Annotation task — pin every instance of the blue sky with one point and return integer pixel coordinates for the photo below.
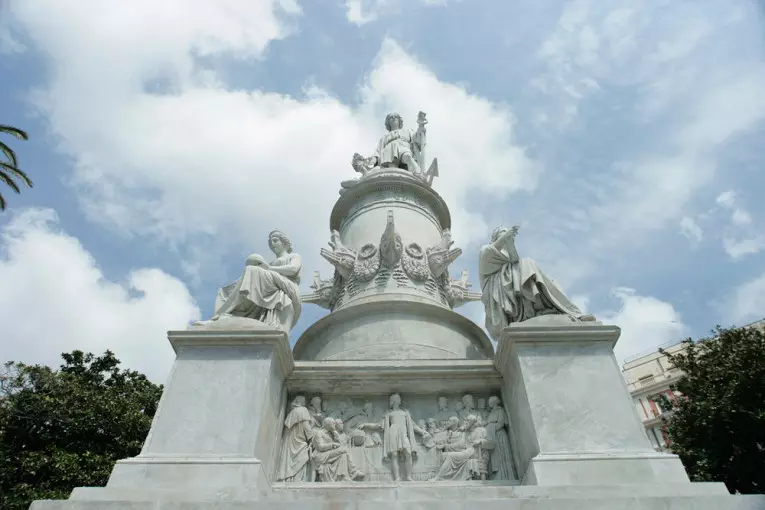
(625, 138)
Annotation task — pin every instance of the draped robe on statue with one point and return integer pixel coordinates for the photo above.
(398, 432)
(462, 460)
(394, 145)
(515, 289)
(264, 295)
(500, 462)
(295, 456)
(331, 463)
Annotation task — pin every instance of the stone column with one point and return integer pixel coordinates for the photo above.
(573, 420)
(218, 424)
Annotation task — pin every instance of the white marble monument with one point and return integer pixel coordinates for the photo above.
(393, 399)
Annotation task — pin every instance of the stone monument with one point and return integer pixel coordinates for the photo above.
(393, 399)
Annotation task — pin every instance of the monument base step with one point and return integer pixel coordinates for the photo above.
(438, 495)
(556, 503)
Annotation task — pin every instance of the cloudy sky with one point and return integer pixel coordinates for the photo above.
(168, 138)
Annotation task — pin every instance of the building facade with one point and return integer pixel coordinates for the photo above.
(650, 375)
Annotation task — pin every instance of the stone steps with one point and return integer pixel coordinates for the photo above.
(540, 503)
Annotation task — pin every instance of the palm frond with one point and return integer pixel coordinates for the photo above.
(4, 177)
(2, 202)
(18, 133)
(9, 154)
(5, 167)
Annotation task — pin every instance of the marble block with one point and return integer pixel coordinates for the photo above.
(573, 422)
(218, 421)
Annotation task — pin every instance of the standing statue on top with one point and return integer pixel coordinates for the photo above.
(399, 148)
(266, 292)
(515, 289)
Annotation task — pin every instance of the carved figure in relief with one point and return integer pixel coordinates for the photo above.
(365, 426)
(269, 293)
(316, 412)
(398, 437)
(330, 458)
(298, 433)
(500, 459)
(468, 408)
(391, 246)
(515, 289)
(443, 414)
(462, 460)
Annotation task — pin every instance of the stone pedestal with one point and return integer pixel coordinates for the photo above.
(573, 420)
(218, 425)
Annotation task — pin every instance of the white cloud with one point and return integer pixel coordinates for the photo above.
(687, 100)
(361, 12)
(9, 45)
(690, 229)
(54, 299)
(646, 323)
(746, 303)
(189, 165)
(741, 238)
(737, 249)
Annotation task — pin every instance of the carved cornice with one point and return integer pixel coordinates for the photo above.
(277, 340)
(397, 181)
(406, 376)
(576, 333)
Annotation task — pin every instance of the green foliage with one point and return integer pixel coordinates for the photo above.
(65, 428)
(718, 424)
(9, 169)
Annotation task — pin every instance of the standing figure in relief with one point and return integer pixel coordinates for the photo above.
(267, 293)
(463, 460)
(365, 426)
(298, 434)
(468, 408)
(500, 460)
(398, 148)
(316, 412)
(330, 458)
(443, 414)
(398, 437)
(515, 289)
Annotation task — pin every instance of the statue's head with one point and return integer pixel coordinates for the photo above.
(299, 401)
(431, 424)
(395, 400)
(279, 242)
(328, 423)
(393, 121)
(467, 402)
(494, 401)
(368, 407)
(316, 402)
(498, 232)
(443, 402)
(471, 421)
(453, 423)
(339, 425)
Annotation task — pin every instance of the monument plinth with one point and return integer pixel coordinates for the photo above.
(393, 399)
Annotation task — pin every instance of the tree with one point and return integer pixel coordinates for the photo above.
(9, 170)
(717, 424)
(65, 428)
